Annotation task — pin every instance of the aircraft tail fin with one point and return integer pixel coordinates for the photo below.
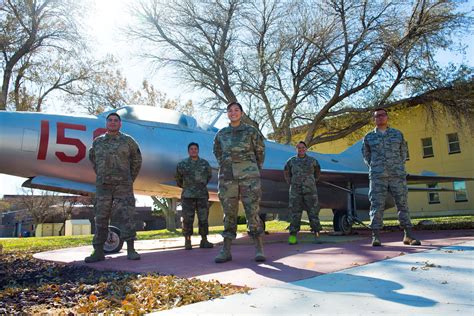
(355, 149)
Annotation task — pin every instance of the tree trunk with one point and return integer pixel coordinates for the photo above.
(170, 215)
(6, 82)
(168, 206)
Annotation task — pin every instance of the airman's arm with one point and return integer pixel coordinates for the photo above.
(209, 172)
(179, 176)
(287, 173)
(135, 159)
(259, 149)
(366, 151)
(92, 157)
(317, 170)
(217, 150)
(404, 149)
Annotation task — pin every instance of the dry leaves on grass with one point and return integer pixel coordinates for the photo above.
(34, 286)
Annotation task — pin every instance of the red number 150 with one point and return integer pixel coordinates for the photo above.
(62, 140)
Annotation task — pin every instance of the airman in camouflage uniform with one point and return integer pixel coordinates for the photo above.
(240, 152)
(116, 160)
(385, 152)
(302, 172)
(193, 175)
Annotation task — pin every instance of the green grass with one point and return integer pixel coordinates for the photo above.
(37, 244)
(448, 220)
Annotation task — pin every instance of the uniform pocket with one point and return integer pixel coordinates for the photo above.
(245, 169)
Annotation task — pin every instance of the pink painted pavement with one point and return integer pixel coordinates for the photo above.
(284, 263)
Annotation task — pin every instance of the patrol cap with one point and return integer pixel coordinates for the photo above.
(234, 103)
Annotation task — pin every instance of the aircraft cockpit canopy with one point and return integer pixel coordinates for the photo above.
(161, 115)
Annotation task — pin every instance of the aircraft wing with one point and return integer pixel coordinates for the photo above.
(359, 178)
(356, 177)
(432, 179)
(417, 189)
(59, 185)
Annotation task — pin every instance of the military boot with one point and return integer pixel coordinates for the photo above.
(259, 256)
(131, 253)
(409, 239)
(97, 254)
(376, 238)
(187, 243)
(224, 255)
(292, 239)
(205, 243)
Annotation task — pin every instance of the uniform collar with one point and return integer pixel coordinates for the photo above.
(112, 136)
(241, 126)
(377, 131)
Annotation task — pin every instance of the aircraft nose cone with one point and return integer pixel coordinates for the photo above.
(18, 143)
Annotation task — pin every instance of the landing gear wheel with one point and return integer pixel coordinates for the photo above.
(113, 243)
(341, 223)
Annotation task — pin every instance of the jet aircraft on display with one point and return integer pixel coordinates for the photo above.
(52, 152)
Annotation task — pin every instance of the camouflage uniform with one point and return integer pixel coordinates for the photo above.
(193, 176)
(302, 174)
(116, 160)
(240, 152)
(385, 154)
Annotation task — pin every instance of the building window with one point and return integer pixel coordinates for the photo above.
(433, 197)
(460, 192)
(453, 143)
(427, 147)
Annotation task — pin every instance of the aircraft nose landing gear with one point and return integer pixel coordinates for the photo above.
(113, 243)
(342, 222)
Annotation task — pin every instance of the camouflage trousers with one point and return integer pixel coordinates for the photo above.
(201, 207)
(378, 188)
(114, 204)
(249, 192)
(299, 201)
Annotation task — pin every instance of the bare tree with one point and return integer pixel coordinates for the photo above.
(45, 75)
(39, 205)
(108, 89)
(384, 48)
(283, 70)
(304, 62)
(105, 89)
(28, 28)
(198, 38)
(150, 96)
(343, 57)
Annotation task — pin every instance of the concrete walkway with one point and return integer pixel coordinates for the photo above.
(434, 282)
(284, 263)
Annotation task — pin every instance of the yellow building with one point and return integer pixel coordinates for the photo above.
(444, 147)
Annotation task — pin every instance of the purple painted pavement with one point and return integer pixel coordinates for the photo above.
(284, 263)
